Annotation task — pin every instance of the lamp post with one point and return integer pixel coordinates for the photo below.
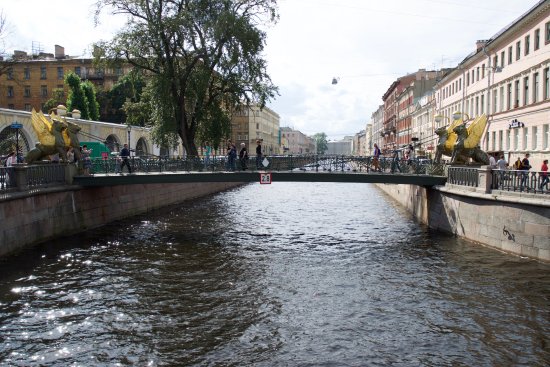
(129, 129)
(16, 125)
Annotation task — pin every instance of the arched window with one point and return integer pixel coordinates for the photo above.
(141, 148)
(112, 143)
(8, 141)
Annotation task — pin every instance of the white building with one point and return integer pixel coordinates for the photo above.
(507, 77)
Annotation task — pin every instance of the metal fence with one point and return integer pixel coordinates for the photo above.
(316, 163)
(465, 176)
(522, 181)
(7, 179)
(23, 177)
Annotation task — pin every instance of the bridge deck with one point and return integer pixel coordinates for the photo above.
(186, 177)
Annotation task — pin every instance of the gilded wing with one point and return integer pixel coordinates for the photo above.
(66, 138)
(451, 139)
(42, 127)
(475, 132)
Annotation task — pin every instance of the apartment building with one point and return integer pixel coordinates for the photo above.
(296, 142)
(377, 128)
(423, 125)
(508, 78)
(253, 123)
(30, 82)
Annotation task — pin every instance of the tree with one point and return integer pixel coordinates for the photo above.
(93, 106)
(57, 99)
(118, 101)
(320, 143)
(77, 97)
(203, 57)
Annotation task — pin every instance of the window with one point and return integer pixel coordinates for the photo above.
(477, 106)
(482, 71)
(27, 73)
(546, 93)
(525, 136)
(501, 99)
(508, 137)
(518, 50)
(516, 139)
(61, 90)
(10, 91)
(495, 60)
(27, 92)
(44, 91)
(545, 136)
(42, 72)
(27, 107)
(525, 91)
(535, 136)
(473, 76)
(482, 103)
(500, 145)
(59, 72)
(516, 91)
(467, 79)
(77, 70)
(527, 44)
(502, 54)
(495, 101)
(536, 86)
(10, 74)
(536, 46)
(493, 140)
(477, 74)
(547, 32)
(468, 106)
(509, 55)
(509, 97)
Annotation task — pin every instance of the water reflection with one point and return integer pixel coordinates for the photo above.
(286, 274)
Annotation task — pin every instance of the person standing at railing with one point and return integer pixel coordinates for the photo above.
(376, 158)
(125, 155)
(207, 153)
(86, 160)
(544, 175)
(395, 161)
(502, 166)
(11, 159)
(243, 157)
(492, 161)
(525, 167)
(258, 154)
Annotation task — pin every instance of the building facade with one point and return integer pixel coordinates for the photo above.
(250, 124)
(508, 78)
(31, 81)
(296, 142)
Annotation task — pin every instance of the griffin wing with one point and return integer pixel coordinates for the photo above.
(451, 139)
(42, 127)
(475, 131)
(66, 138)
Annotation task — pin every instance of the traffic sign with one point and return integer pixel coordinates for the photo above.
(16, 125)
(265, 178)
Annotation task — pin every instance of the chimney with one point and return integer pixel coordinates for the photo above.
(59, 52)
(18, 55)
(480, 44)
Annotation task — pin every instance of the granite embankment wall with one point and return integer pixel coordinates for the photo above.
(29, 219)
(514, 223)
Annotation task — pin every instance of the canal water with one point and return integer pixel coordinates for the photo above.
(288, 274)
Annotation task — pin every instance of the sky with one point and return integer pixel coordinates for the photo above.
(365, 44)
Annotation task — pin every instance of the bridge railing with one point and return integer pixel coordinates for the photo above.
(22, 177)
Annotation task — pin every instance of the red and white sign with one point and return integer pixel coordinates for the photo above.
(265, 178)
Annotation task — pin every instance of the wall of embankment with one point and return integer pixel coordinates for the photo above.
(511, 222)
(32, 218)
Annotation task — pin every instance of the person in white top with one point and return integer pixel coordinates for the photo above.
(492, 161)
(502, 164)
(11, 160)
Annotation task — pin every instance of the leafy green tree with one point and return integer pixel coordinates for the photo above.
(123, 98)
(320, 142)
(199, 54)
(77, 97)
(58, 97)
(93, 105)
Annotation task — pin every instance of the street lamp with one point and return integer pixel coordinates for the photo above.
(62, 111)
(129, 129)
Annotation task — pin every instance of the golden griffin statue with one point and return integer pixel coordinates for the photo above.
(55, 135)
(461, 142)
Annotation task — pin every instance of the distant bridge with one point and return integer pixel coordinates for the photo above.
(304, 168)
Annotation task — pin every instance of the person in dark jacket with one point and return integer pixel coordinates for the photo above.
(259, 154)
(125, 155)
(243, 157)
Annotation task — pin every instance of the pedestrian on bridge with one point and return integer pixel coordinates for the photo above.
(125, 155)
(243, 157)
(376, 158)
(544, 175)
(395, 162)
(258, 154)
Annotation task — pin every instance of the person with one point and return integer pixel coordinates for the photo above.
(11, 159)
(258, 154)
(517, 164)
(502, 166)
(492, 161)
(395, 161)
(54, 158)
(525, 167)
(70, 155)
(544, 175)
(207, 153)
(243, 157)
(86, 160)
(228, 154)
(125, 155)
(376, 158)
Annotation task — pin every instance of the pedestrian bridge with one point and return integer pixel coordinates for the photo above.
(303, 168)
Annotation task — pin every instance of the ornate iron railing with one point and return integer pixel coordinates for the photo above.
(465, 176)
(522, 181)
(7, 179)
(45, 175)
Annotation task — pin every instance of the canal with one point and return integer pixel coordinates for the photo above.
(288, 274)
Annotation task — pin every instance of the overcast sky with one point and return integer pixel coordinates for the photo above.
(367, 44)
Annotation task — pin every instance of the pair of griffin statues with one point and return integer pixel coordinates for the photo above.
(55, 135)
(461, 142)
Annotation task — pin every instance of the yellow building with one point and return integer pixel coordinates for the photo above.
(251, 124)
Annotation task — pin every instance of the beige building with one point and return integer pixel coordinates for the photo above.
(508, 78)
(251, 124)
(296, 142)
(30, 82)
(423, 135)
(359, 144)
